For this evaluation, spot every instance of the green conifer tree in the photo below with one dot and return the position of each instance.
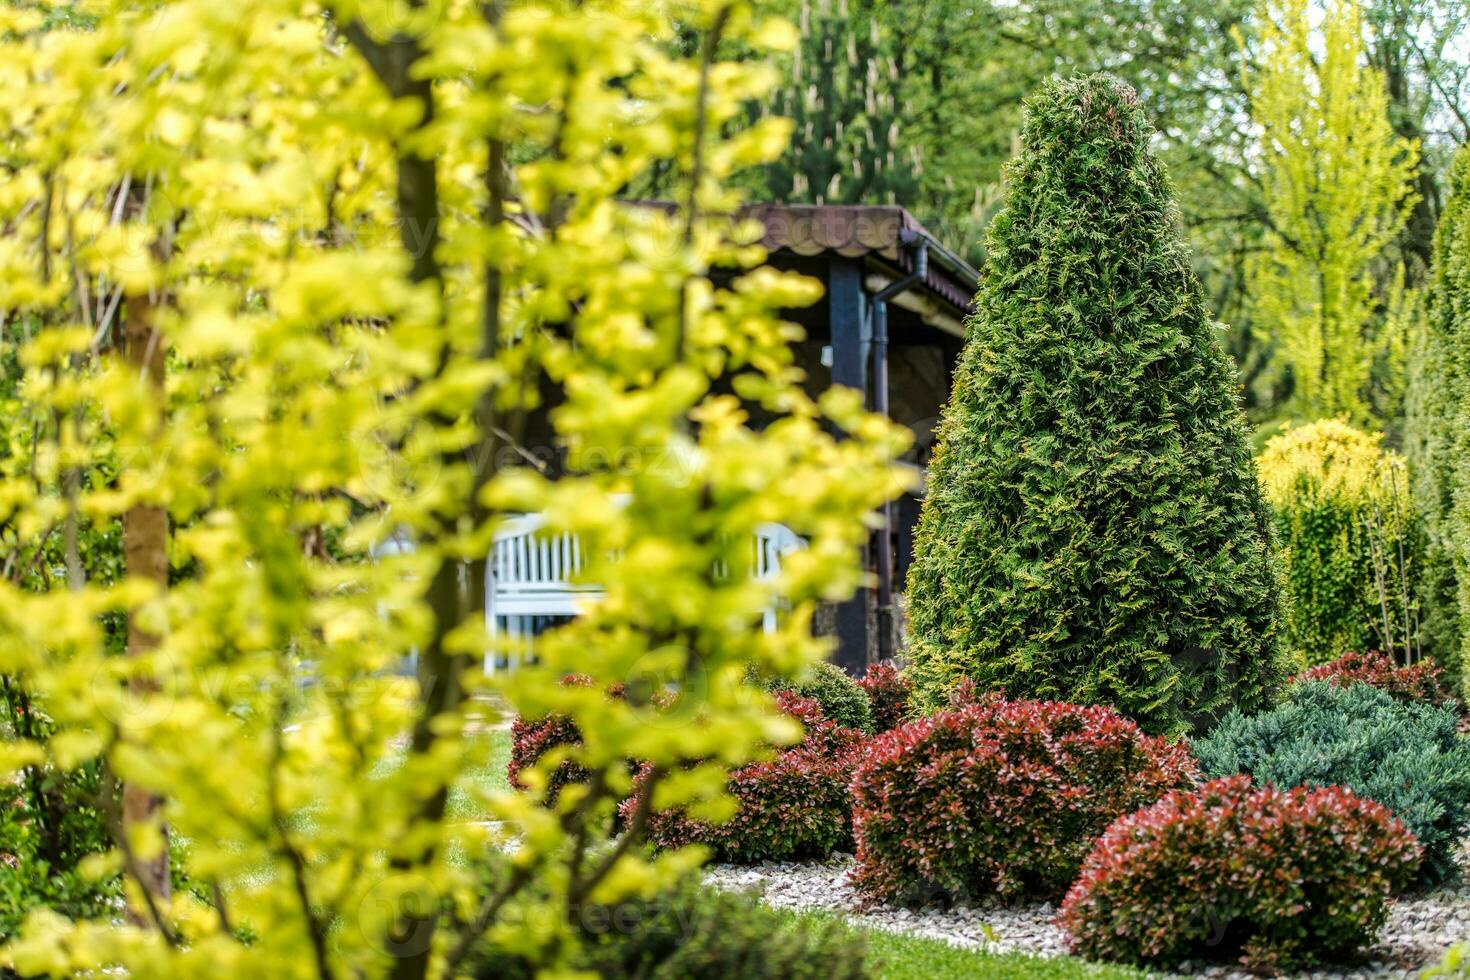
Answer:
(1434, 422)
(842, 93)
(1093, 529)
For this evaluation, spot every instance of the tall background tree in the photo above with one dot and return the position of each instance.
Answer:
(844, 96)
(1337, 194)
(957, 73)
(1417, 46)
(1093, 529)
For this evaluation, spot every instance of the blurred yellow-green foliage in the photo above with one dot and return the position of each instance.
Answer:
(371, 268)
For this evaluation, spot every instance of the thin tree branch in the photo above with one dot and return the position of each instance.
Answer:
(696, 166)
(519, 878)
(315, 928)
(579, 889)
(220, 908)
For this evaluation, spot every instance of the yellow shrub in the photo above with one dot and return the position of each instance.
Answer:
(1347, 539)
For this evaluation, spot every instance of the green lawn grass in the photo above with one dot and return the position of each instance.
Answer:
(487, 754)
(491, 753)
(901, 956)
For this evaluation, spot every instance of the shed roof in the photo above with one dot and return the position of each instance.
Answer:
(855, 230)
(860, 230)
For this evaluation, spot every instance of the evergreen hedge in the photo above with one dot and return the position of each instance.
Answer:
(1093, 530)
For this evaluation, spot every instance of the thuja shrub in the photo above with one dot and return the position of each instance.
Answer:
(1423, 682)
(999, 796)
(1349, 541)
(1406, 756)
(888, 694)
(1093, 530)
(1281, 879)
(795, 805)
(843, 700)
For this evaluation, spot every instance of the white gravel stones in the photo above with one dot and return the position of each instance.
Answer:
(1003, 928)
(1420, 926)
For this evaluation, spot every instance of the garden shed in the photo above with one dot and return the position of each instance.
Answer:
(890, 324)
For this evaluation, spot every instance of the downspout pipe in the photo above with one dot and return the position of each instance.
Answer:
(920, 246)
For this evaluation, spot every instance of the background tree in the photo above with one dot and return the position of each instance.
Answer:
(968, 68)
(1416, 46)
(1337, 189)
(844, 96)
(957, 74)
(960, 72)
(1093, 530)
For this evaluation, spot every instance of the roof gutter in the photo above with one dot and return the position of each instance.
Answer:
(947, 260)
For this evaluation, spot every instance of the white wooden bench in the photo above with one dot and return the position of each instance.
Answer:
(533, 578)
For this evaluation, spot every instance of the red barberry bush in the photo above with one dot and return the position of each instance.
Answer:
(1000, 796)
(820, 733)
(1280, 880)
(888, 695)
(532, 738)
(1422, 682)
(796, 805)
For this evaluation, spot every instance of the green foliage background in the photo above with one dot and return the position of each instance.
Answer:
(952, 77)
(1435, 441)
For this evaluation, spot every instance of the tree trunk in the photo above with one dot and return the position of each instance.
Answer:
(145, 553)
(1416, 241)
